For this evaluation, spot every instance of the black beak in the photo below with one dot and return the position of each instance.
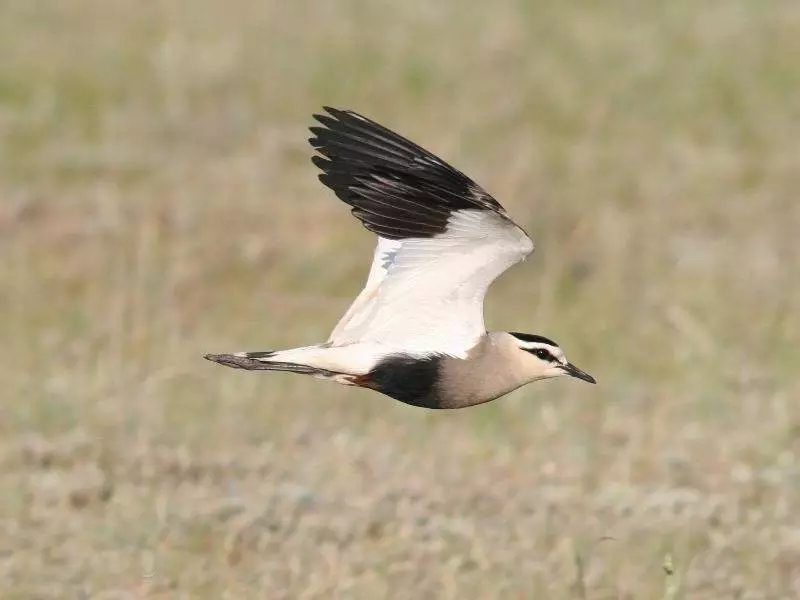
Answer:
(571, 369)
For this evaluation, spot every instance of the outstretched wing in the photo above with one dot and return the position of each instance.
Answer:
(442, 239)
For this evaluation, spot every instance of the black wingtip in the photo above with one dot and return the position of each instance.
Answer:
(400, 189)
(336, 113)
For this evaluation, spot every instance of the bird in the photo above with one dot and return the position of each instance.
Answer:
(416, 331)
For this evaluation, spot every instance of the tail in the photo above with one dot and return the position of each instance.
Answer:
(296, 360)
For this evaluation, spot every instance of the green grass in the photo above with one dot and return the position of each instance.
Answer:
(157, 203)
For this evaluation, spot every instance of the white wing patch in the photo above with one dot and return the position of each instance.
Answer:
(426, 294)
(382, 260)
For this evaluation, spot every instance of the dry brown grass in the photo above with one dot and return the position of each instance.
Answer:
(157, 203)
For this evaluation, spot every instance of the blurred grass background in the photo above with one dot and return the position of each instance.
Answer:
(157, 202)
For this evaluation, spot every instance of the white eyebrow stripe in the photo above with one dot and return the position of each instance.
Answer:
(537, 345)
(556, 354)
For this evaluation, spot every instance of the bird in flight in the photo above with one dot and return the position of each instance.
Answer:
(416, 331)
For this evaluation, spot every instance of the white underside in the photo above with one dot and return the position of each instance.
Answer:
(426, 295)
(422, 296)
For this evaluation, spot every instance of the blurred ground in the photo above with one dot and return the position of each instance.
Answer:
(157, 203)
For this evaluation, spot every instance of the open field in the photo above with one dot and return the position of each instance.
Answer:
(157, 202)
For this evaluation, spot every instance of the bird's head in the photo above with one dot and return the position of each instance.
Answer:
(544, 358)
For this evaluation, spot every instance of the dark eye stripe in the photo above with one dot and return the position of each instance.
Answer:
(542, 354)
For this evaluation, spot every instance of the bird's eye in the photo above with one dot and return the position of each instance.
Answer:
(543, 354)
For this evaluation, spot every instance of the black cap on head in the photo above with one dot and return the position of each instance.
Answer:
(530, 337)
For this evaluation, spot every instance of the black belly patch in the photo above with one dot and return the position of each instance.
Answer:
(408, 379)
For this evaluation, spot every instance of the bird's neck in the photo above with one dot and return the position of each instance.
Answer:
(489, 371)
